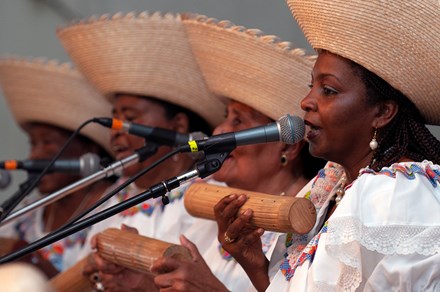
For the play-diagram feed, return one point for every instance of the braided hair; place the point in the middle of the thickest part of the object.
(406, 135)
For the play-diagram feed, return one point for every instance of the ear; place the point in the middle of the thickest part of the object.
(292, 151)
(181, 123)
(385, 114)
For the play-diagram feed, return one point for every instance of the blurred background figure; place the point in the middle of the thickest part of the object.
(21, 277)
(257, 76)
(144, 65)
(49, 101)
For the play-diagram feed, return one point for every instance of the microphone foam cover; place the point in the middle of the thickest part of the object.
(292, 129)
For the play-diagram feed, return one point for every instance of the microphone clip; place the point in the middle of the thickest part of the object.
(212, 163)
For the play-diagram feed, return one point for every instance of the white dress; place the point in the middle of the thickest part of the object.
(225, 268)
(151, 218)
(30, 227)
(383, 236)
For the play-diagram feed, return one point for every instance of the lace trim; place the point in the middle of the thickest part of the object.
(393, 239)
(302, 254)
(325, 181)
(299, 247)
(349, 281)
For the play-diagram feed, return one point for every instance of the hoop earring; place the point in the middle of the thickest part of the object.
(373, 142)
(284, 160)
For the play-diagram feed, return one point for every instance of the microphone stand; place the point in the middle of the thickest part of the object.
(32, 183)
(140, 155)
(23, 190)
(210, 165)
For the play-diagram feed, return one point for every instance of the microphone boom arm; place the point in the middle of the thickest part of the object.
(203, 169)
(110, 170)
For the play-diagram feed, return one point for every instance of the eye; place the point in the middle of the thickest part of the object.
(236, 121)
(130, 118)
(329, 91)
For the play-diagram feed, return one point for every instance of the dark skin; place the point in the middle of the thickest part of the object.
(240, 170)
(147, 112)
(46, 141)
(115, 277)
(341, 125)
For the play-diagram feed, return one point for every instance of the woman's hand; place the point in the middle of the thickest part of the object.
(107, 276)
(178, 275)
(241, 240)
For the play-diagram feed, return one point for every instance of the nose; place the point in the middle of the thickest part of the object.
(38, 152)
(222, 128)
(308, 103)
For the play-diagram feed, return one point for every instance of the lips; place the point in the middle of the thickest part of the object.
(121, 151)
(313, 130)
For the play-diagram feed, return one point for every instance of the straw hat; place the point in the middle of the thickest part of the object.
(397, 40)
(247, 66)
(49, 92)
(141, 54)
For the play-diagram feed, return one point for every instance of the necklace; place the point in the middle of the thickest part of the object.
(340, 192)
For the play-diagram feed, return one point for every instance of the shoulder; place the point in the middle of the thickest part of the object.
(402, 186)
(396, 210)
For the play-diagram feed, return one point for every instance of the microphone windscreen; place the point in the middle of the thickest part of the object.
(90, 163)
(292, 129)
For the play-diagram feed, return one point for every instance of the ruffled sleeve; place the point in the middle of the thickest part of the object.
(386, 229)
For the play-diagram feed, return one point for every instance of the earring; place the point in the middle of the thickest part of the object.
(373, 142)
(283, 159)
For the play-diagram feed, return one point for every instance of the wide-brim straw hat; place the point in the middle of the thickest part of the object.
(245, 65)
(46, 91)
(141, 54)
(397, 40)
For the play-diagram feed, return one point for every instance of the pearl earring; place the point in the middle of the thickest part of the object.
(373, 142)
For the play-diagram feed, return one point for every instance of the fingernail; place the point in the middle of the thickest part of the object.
(248, 212)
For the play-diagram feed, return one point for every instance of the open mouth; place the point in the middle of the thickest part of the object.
(121, 151)
(313, 131)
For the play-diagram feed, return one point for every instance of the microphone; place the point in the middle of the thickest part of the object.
(288, 129)
(5, 179)
(158, 135)
(86, 165)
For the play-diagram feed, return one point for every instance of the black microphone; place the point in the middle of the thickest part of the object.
(5, 179)
(154, 134)
(288, 129)
(86, 165)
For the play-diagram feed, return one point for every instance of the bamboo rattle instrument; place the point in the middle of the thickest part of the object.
(124, 248)
(273, 213)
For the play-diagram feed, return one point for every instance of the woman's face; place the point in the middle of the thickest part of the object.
(247, 166)
(141, 111)
(46, 141)
(341, 122)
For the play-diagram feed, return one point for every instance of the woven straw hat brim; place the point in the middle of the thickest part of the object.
(397, 40)
(141, 54)
(48, 92)
(247, 66)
